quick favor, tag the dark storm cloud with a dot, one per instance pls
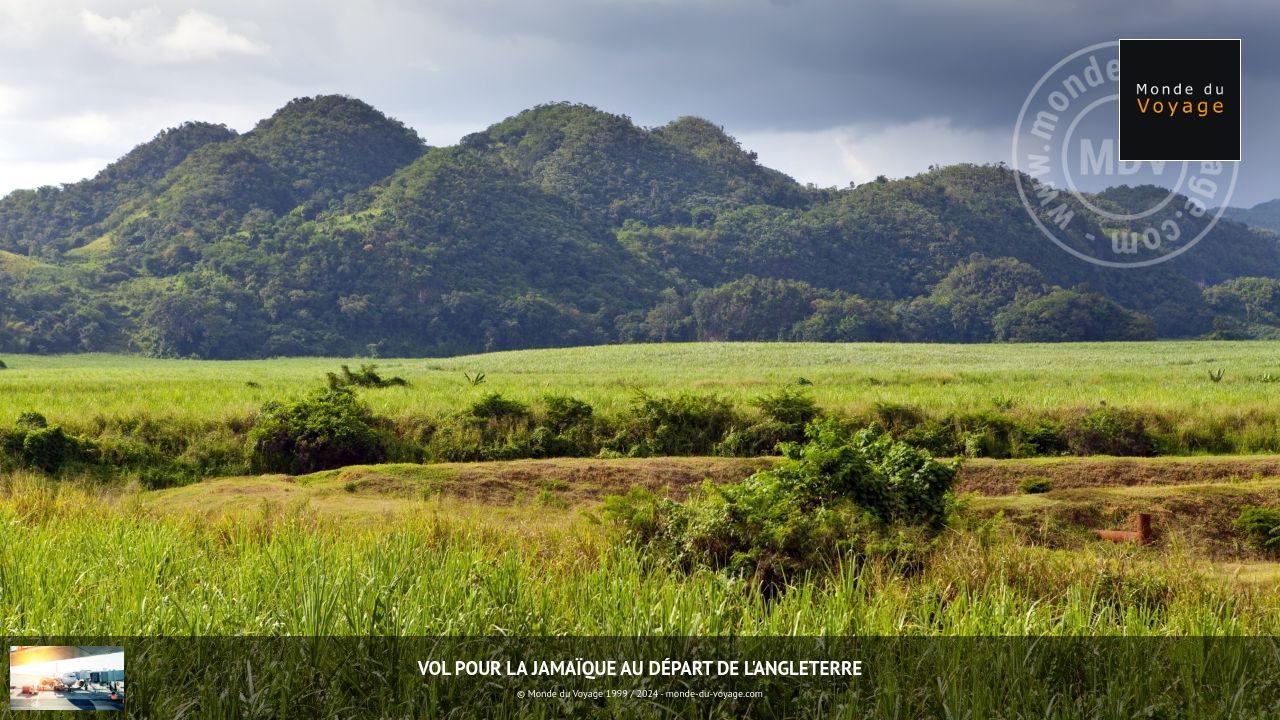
(810, 65)
(81, 81)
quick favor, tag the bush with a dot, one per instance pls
(840, 492)
(495, 407)
(1035, 484)
(32, 420)
(936, 436)
(898, 417)
(684, 424)
(34, 443)
(1260, 527)
(985, 434)
(1109, 431)
(11, 446)
(789, 407)
(50, 448)
(565, 413)
(495, 428)
(575, 427)
(3, 366)
(366, 376)
(786, 413)
(1043, 436)
(761, 438)
(328, 429)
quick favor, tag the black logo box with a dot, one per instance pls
(1180, 62)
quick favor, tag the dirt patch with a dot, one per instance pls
(590, 480)
(572, 481)
(1001, 477)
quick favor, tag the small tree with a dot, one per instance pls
(327, 429)
(837, 493)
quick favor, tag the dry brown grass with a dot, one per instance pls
(361, 491)
(1195, 519)
(1001, 477)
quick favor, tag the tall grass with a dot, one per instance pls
(1165, 376)
(80, 562)
(198, 410)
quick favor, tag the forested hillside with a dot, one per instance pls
(331, 229)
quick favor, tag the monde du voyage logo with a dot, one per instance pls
(1127, 151)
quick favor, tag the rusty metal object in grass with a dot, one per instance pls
(1141, 535)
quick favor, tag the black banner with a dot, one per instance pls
(869, 677)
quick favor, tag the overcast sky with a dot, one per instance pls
(828, 91)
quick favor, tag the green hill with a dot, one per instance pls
(31, 220)
(330, 228)
(606, 167)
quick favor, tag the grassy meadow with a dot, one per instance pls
(218, 603)
(166, 564)
(520, 547)
(1169, 377)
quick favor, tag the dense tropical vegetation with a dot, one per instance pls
(332, 229)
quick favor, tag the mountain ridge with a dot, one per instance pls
(330, 228)
(1264, 215)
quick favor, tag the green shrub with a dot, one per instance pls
(936, 436)
(366, 377)
(785, 415)
(328, 429)
(3, 366)
(983, 434)
(11, 446)
(49, 448)
(1035, 484)
(493, 428)
(495, 407)
(457, 441)
(684, 424)
(1109, 431)
(565, 413)
(1260, 527)
(32, 420)
(541, 442)
(34, 443)
(788, 406)
(142, 458)
(1043, 436)
(898, 417)
(840, 492)
(762, 438)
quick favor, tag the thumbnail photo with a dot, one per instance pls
(66, 677)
